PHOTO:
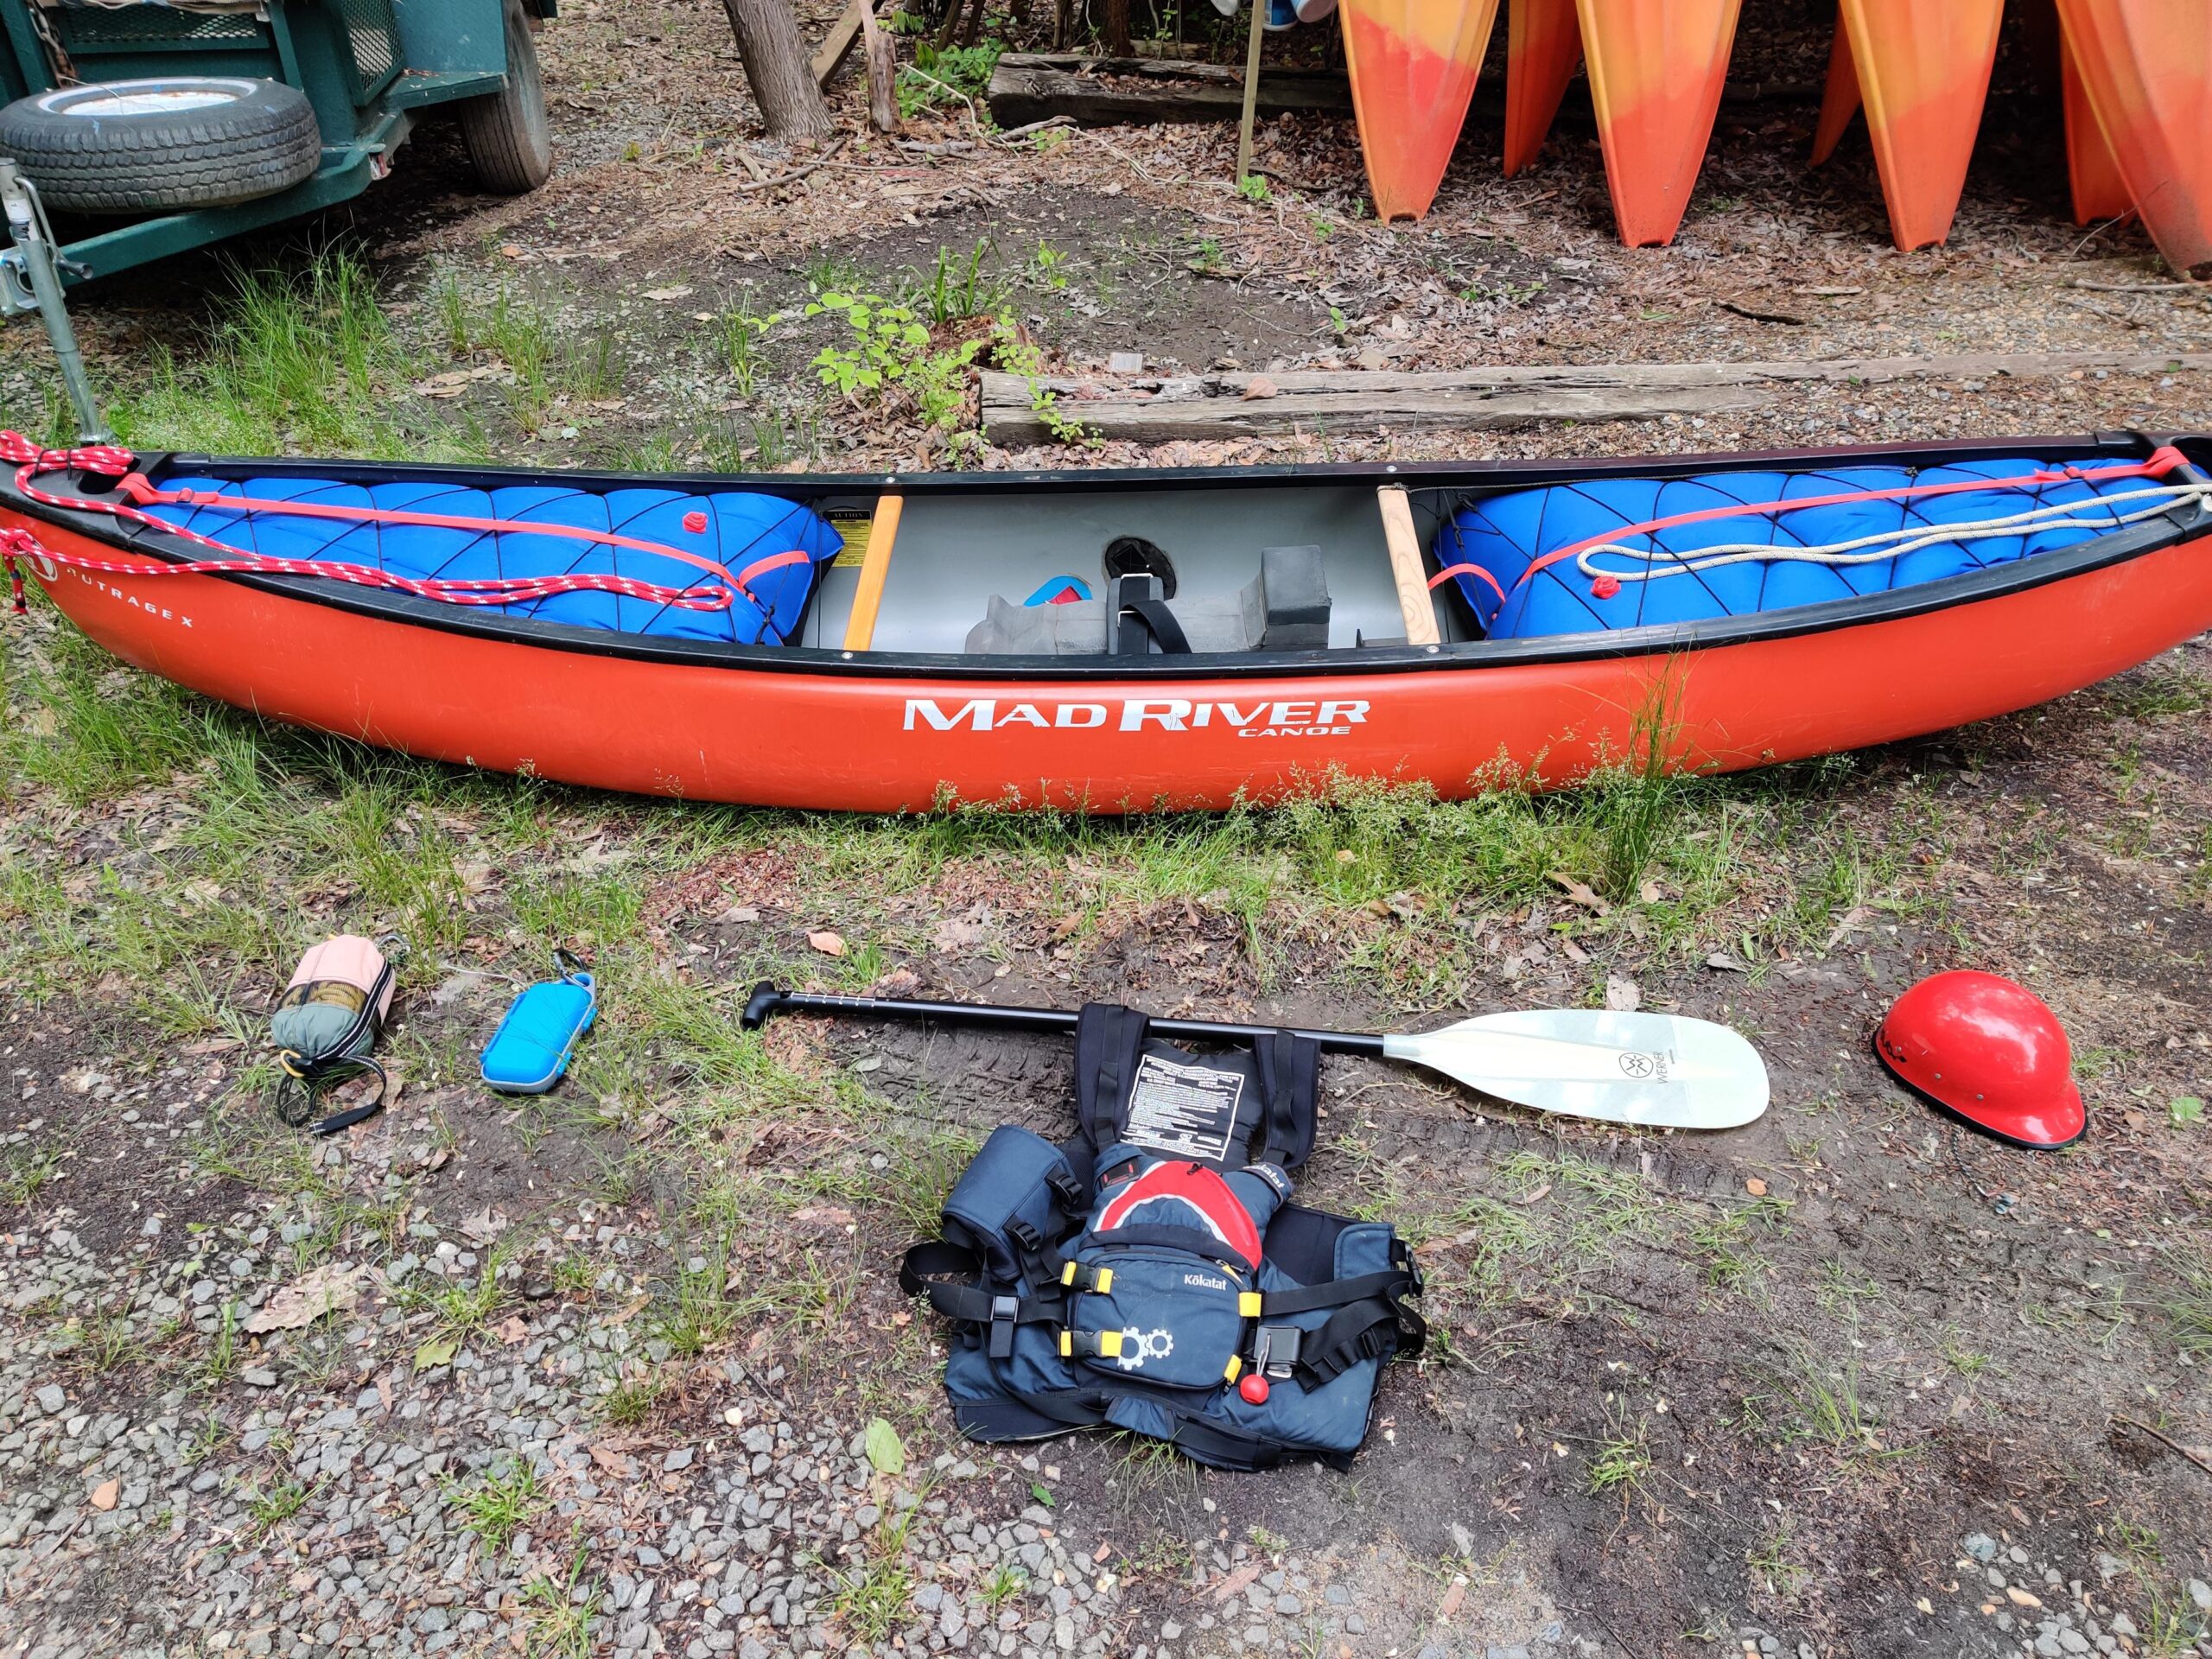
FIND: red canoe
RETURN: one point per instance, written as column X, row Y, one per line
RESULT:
column 1116, row 640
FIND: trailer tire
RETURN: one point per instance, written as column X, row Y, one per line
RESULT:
column 509, row 138
column 162, row 143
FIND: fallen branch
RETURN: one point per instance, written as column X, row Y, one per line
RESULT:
column 1758, row 315
column 2166, row 1440
column 797, row 173
column 2140, row 288
column 1158, row 408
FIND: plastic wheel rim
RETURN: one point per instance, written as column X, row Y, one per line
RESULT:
column 115, row 99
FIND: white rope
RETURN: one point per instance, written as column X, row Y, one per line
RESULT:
column 1894, row 543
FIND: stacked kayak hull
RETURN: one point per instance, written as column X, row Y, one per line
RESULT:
column 2146, row 68
column 1922, row 74
column 1411, row 64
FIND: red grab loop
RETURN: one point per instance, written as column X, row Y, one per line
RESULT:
column 105, row 459
column 2160, row 462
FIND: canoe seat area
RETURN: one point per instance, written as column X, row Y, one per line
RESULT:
column 1519, row 558
column 733, row 529
column 1285, row 608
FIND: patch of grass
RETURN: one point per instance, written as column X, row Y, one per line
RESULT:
column 1821, row 1402
column 632, row 1402
column 297, row 359
column 2164, row 690
column 500, row 1505
column 557, row 1614
column 920, row 1176
column 25, row 1173
column 270, row 1507
column 1772, row 1563
column 876, row 1597
column 2189, row 1305
column 1621, row 1462
column 1725, row 1241
column 956, row 289
column 104, row 1341
column 1003, row 1585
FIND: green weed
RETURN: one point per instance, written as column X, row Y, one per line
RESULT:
column 500, row 1505
column 270, row 1508
column 25, row 1173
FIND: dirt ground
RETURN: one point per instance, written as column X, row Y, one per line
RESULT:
column 1837, row 1383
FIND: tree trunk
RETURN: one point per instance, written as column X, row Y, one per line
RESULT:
column 776, row 68
column 1117, row 28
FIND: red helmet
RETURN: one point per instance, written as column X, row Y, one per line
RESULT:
column 1986, row 1051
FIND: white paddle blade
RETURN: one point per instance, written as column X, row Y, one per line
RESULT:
column 1656, row 1071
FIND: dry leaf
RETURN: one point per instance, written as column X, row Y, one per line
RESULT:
column 1622, row 996
column 1726, row 963
column 105, row 1493
column 1574, row 953
column 1755, row 1186
column 614, row 1463
column 329, row 1289
column 829, row 944
column 1453, row 1597
column 828, row 1212
column 2020, row 1597
column 1649, row 892
column 676, row 293
column 1259, row 386
column 1578, row 892
column 512, row 1330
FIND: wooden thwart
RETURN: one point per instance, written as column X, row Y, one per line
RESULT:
column 1155, row 408
column 1406, row 567
column 875, row 565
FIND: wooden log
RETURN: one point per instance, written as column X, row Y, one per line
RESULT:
column 883, row 72
column 1028, row 87
column 837, row 45
column 1406, row 569
column 1155, row 409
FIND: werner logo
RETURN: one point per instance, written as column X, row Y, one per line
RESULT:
column 1318, row 718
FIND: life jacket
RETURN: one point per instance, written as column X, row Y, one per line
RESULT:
column 1152, row 1275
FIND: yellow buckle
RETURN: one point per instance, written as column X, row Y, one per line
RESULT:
column 1109, row 1345
column 1248, row 1304
column 1105, row 1281
column 1236, row 1364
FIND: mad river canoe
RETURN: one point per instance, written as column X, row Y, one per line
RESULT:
column 1116, row 640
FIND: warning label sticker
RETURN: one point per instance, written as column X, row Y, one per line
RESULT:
column 1185, row 1111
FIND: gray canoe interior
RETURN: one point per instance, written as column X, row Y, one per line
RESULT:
column 952, row 552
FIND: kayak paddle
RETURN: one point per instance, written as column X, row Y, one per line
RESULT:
column 1656, row 1071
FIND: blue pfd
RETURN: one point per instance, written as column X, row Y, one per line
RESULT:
column 1151, row 1274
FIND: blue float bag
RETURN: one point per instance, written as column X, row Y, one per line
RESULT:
column 530, row 1052
column 732, row 528
column 1495, row 548
column 1151, row 1275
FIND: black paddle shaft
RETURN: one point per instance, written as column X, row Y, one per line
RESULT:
column 768, row 999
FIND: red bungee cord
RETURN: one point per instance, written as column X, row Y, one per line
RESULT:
column 107, row 460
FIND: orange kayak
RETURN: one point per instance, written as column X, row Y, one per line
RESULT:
column 2092, row 170
column 1656, row 69
column 1543, row 43
column 2145, row 68
column 1922, row 71
column 1412, row 65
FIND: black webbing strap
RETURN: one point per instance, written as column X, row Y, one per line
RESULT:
column 935, row 1259
column 1160, row 623
column 1337, row 1292
column 1290, row 1068
column 923, row 1273
column 1108, row 1040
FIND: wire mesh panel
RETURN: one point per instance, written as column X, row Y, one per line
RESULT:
column 370, row 37
column 86, row 26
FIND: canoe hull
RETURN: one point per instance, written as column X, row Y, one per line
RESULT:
column 843, row 736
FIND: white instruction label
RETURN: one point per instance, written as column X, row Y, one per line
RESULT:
column 1185, row 1111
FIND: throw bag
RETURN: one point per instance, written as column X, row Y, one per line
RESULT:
column 326, row 1024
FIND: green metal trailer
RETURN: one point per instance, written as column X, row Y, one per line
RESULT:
column 155, row 126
